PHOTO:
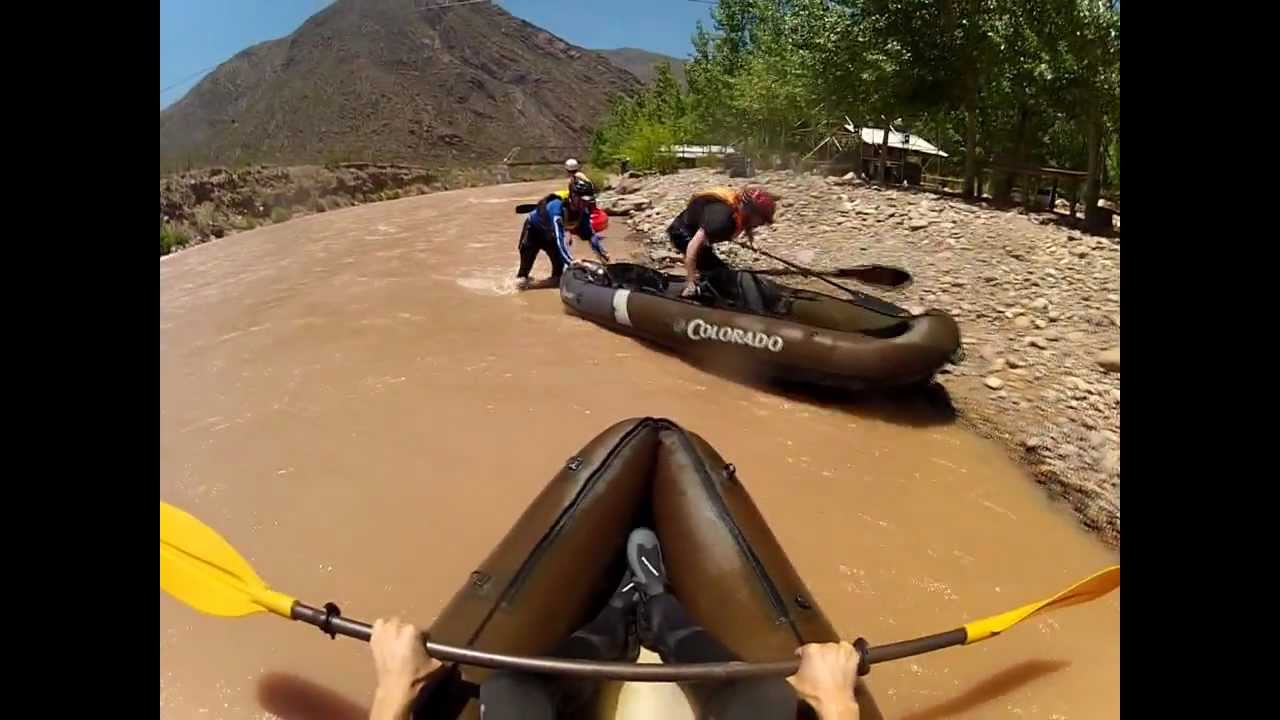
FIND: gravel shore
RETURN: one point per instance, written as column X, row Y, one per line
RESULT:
column 1038, row 306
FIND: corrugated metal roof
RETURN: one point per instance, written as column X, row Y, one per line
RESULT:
column 697, row 151
column 875, row 136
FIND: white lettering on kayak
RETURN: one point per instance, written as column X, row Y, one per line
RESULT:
column 620, row 307
column 699, row 329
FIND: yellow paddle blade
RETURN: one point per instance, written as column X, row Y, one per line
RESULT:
column 202, row 570
column 1090, row 588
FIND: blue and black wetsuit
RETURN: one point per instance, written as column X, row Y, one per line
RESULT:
column 546, row 229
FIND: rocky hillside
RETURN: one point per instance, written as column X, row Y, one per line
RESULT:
column 386, row 80
column 1038, row 306
column 643, row 64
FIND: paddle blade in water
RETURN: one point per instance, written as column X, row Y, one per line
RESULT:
column 200, row 568
column 1088, row 589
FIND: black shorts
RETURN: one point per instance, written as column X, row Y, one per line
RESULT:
column 535, row 239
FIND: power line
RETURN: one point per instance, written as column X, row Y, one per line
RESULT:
column 441, row 4
column 188, row 78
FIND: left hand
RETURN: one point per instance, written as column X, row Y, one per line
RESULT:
column 401, row 662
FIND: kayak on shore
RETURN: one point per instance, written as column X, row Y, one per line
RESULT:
column 765, row 328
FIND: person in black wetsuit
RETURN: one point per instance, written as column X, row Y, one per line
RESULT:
column 825, row 679
column 717, row 215
column 548, row 228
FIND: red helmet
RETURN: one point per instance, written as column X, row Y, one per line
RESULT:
column 761, row 202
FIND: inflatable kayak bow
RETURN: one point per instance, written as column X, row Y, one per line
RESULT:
column 731, row 574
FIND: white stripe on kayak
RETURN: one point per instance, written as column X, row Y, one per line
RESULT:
column 620, row 307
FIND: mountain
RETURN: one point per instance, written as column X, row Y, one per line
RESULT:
column 641, row 63
column 389, row 80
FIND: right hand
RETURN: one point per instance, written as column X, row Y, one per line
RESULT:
column 826, row 677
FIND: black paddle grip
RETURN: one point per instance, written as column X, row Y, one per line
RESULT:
column 330, row 621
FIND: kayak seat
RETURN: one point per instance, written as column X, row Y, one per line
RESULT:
column 747, row 292
column 637, row 277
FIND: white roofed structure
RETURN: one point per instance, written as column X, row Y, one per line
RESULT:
column 916, row 144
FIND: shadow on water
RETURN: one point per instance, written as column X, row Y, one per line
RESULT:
column 293, row 698
column 290, row 697
column 915, row 406
column 994, row 687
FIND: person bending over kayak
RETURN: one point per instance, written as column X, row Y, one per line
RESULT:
column 717, row 215
column 825, row 679
column 549, row 227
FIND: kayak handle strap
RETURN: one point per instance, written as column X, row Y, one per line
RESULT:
column 330, row 621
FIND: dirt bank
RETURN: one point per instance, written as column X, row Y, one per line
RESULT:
column 201, row 205
column 1038, row 305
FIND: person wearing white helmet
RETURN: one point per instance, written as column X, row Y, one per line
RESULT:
column 574, row 171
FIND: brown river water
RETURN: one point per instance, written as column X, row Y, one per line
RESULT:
column 362, row 404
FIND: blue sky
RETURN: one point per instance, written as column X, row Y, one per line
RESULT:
column 197, row 35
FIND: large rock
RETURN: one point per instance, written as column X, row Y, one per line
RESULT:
column 625, row 186
column 625, row 205
column 1109, row 360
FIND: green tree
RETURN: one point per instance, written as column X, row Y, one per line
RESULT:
column 1001, row 79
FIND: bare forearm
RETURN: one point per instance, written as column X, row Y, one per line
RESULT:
column 838, row 709
column 391, row 703
column 691, row 255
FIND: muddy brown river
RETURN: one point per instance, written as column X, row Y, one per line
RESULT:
column 362, row 404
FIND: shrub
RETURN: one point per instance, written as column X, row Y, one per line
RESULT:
column 643, row 143
column 172, row 238
column 279, row 215
column 599, row 177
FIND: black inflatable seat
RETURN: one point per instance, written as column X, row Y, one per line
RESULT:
column 747, row 292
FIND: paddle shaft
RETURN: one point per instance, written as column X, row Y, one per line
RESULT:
column 603, row 670
column 803, row 270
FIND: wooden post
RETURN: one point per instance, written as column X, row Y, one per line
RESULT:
column 884, row 151
column 1053, row 196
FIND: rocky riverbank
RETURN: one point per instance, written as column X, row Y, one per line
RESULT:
column 1038, row 305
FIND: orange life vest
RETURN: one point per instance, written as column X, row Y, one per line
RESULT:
column 728, row 196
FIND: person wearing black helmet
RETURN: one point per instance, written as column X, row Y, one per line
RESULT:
column 549, row 229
